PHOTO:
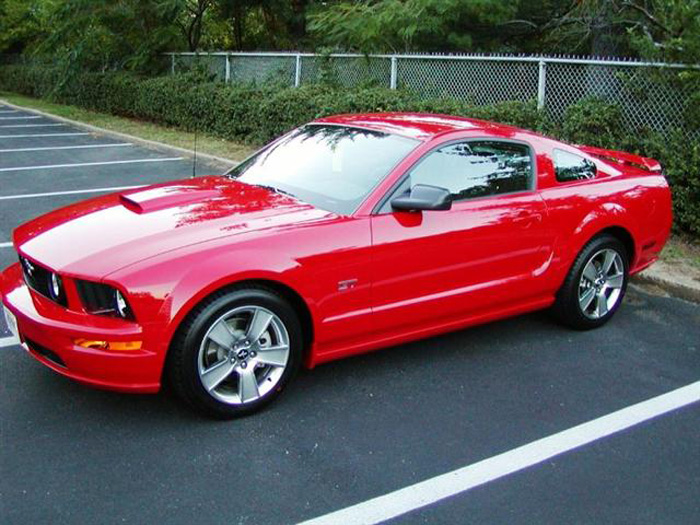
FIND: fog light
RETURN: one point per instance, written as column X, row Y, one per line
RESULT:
column 118, row 346
column 121, row 305
column 56, row 286
column 89, row 343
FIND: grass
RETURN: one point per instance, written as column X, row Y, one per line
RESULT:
column 682, row 249
column 174, row 137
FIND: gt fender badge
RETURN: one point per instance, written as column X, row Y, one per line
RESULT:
column 347, row 284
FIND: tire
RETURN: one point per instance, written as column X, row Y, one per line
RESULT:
column 591, row 294
column 228, row 358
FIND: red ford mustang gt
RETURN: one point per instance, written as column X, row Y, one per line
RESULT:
column 348, row 234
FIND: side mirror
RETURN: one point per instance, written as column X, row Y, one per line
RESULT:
column 423, row 197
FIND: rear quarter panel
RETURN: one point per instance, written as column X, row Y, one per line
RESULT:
column 633, row 199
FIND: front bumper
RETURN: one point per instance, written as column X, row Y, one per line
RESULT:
column 48, row 332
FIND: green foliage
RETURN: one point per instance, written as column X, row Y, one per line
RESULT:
column 256, row 115
column 403, row 25
column 594, row 121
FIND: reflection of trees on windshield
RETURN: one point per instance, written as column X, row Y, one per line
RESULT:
column 332, row 167
column 330, row 136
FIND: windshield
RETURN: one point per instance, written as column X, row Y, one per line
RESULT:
column 331, row 167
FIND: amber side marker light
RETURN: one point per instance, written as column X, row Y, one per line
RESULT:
column 123, row 346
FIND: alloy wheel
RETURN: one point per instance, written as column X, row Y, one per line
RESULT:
column 243, row 355
column 600, row 286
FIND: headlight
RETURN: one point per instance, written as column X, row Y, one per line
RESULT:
column 102, row 299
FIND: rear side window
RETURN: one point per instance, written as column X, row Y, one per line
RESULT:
column 477, row 169
column 569, row 166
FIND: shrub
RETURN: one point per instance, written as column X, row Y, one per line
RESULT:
column 258, row 114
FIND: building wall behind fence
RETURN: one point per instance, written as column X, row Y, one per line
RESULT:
column 648, row 94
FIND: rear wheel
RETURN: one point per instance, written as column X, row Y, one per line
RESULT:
column 595, row 285
column 236, row 352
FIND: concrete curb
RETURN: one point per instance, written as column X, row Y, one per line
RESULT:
column 674, row 288
column 226, row 163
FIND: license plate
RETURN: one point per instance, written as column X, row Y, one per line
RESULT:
column 10, row 321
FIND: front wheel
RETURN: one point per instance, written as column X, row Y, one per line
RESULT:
column 235, row 352
column 595, row 285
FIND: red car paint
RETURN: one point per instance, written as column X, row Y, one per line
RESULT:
column 362, row 281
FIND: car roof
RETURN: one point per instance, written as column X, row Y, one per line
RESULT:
column 421, row 126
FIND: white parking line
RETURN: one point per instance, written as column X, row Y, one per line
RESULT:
column 19, row 118
column 42, row 135
column 70, row 192
column 84, row 146
column 5, row 244
column 31, row 125
column 8, row 341
column 83, row 164
column 446, row 485
column 8, row 111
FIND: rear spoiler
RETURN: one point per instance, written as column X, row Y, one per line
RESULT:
column 620, row 157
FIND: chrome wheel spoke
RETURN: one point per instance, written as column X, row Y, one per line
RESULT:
column 586, row 298
column 215, row 374
column 247, row 385
column 222, row 335
column 274, row 356
column 258, row 324
column 616, row 281
column 589, row 272
column 609, row 258
column 602, row 304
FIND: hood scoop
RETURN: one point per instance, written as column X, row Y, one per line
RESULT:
column 155, row 199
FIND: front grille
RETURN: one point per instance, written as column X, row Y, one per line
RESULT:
column 45, row 352
column 38, row 279
column 97, row 298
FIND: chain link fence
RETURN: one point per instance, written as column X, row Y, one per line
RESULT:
column 649, row 95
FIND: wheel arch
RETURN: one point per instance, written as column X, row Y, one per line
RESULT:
column 625, row 237
column 275, row 285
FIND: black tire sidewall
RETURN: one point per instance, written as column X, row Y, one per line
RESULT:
column 190, row 339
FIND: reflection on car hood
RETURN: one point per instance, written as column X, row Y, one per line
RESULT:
column 101, row 235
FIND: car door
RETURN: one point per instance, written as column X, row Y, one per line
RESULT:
column 483, row 254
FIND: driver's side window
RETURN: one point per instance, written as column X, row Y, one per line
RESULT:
column 476, row 168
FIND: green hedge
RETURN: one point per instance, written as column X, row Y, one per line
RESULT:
column 256, row 115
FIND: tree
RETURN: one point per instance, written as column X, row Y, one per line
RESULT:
column 410, row 25
column 21, row 23
column 190, row 19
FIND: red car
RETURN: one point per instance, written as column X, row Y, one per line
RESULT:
column 348, row 234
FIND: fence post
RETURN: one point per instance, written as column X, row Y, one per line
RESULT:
column 392, row 81
column 541, row 84
column 297, row 70
column 228, row 68
column 172, row 64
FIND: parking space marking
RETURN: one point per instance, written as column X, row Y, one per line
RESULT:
column 83, row 146
column 5, row 244
column 69, row 192
column 8, row 111
column 19, row 118
column 461, row 480
column 8, row 341
column 42, row 135
column 31, row 125
column 83, row 164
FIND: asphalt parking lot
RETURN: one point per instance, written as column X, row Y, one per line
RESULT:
column 348, row 431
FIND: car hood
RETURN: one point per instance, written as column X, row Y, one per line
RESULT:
column 99, row 236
